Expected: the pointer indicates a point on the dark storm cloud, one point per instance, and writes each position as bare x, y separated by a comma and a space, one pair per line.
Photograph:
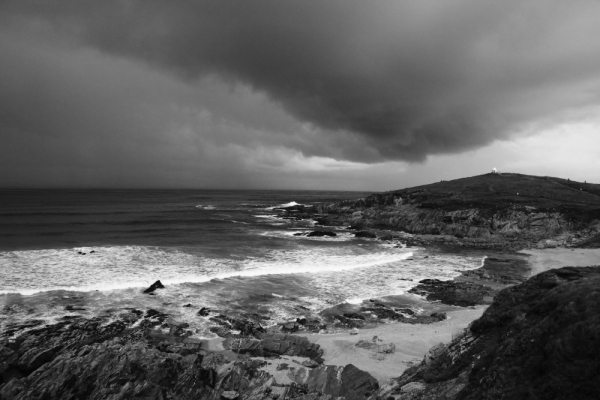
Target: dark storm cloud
389, 80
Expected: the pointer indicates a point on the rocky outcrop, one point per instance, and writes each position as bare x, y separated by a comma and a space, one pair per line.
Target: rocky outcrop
275, 344
154, 286
141, 355
538, 339
451, 292
507, 207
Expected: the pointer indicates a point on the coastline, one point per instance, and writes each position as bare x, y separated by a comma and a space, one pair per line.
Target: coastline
372, 359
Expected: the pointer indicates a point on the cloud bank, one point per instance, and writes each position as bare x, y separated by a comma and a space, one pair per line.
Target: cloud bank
246, 86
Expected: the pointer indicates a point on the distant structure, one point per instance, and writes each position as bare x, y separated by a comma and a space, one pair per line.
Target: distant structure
494, 170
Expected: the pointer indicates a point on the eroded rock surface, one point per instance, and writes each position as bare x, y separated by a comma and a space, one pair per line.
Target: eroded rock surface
140, 355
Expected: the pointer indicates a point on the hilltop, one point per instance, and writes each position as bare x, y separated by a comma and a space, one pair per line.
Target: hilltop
505, 209
497, 191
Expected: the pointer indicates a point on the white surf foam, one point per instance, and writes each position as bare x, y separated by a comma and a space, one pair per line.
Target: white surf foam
285, 205
206, 207
119, 267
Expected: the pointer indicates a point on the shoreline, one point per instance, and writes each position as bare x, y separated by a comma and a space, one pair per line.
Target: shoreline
547, 259
282, 360
413, 341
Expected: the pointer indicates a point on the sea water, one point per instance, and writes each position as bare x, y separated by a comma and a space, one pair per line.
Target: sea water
87, 252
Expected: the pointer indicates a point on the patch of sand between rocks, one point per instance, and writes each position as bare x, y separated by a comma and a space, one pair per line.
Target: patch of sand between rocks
412, 343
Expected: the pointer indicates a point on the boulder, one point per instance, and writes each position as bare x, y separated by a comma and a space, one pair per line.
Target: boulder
203, 312
154, 286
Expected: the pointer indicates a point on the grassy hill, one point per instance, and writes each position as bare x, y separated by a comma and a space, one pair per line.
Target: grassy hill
504, 190
521, 209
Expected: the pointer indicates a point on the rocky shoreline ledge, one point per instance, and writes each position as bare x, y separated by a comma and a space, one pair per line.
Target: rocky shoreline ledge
145, 354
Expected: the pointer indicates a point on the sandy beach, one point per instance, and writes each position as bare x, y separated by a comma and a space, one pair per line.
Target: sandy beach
543, 260
412, 343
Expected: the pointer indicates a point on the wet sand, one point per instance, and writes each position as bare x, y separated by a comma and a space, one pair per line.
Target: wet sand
412, 343
546, 259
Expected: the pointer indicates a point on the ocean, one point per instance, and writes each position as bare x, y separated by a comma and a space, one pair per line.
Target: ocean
70, 253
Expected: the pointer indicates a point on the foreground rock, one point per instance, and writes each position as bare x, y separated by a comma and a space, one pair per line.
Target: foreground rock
141, 355
538, 340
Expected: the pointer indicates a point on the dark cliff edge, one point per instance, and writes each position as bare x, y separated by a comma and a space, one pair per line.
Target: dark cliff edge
508, 209
538, 340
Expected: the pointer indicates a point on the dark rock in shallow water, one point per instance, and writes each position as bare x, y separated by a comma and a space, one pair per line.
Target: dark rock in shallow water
154, 286
203, 312
452, 292
321, 234
244, 326
365, 234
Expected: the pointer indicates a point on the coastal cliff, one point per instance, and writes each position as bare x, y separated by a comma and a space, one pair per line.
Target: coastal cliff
537, 340
512, 209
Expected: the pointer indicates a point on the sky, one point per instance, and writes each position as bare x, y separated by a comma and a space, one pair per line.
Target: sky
328, 95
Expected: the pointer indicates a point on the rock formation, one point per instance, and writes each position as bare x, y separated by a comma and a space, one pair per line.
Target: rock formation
131, 355
538, 340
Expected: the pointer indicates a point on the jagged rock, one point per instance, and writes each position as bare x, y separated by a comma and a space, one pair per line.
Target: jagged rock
452, 292
246, 327
154, 286
108, 359
347, 382
203, 312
